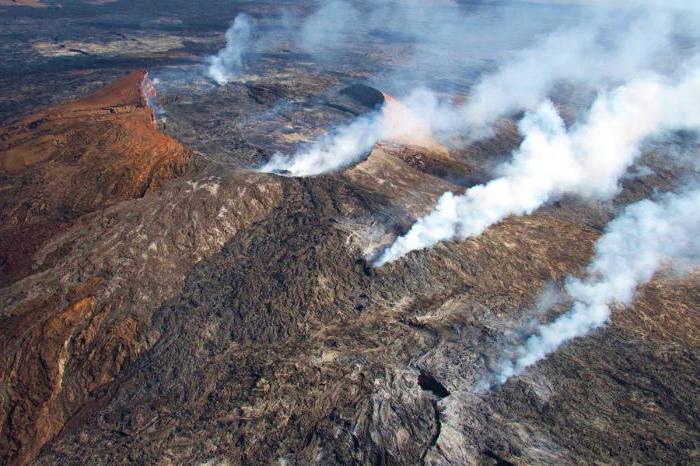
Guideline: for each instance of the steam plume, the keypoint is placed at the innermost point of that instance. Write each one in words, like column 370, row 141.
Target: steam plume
column 583, row 55
column 226, row 65
column 633, row 247
column 597, row 55
column 345, row 145
column 588, row 160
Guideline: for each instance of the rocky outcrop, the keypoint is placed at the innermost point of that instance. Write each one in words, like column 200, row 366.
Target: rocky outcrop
column 287, row 346
column 145, row 209
column 69, row 330
column 67, row 161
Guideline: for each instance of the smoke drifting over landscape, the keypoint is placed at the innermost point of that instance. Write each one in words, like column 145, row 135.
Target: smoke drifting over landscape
column 593, row 53
column 226, row 65
column 328, row 30
column 587, row 160
column 583, row 56
column 227, row 270
column 643, row 238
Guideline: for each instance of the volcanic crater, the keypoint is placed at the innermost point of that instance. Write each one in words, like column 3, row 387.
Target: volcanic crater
column 164, row 302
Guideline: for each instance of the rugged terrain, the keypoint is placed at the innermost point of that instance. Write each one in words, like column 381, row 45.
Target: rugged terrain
column 189, row 310
column 162, row 302
column 68, row 161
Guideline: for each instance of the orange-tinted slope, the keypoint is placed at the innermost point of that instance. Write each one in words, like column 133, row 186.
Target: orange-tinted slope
column 404, row 126
column 67, row 161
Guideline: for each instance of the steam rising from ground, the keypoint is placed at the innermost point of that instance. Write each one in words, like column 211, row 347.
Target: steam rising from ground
column 633, row 247
column 588, row 160
column 394, row 122
column 226, row 65
column 596, row 55
column 345, row 145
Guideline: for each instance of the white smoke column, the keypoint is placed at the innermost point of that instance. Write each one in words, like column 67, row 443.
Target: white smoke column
column 344, row 146
column 226, row 65
column 633, row 247
column 348, row 144
column 587, row 161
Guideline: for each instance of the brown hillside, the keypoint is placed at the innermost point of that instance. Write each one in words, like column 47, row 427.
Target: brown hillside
column 67, row 161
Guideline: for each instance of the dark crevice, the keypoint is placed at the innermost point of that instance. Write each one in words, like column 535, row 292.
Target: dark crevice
column 428, row 383
column 500, row 461
column 436, row 434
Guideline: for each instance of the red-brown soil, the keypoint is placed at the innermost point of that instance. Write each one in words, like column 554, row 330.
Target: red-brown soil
column 57, row 167
column 67, row 161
